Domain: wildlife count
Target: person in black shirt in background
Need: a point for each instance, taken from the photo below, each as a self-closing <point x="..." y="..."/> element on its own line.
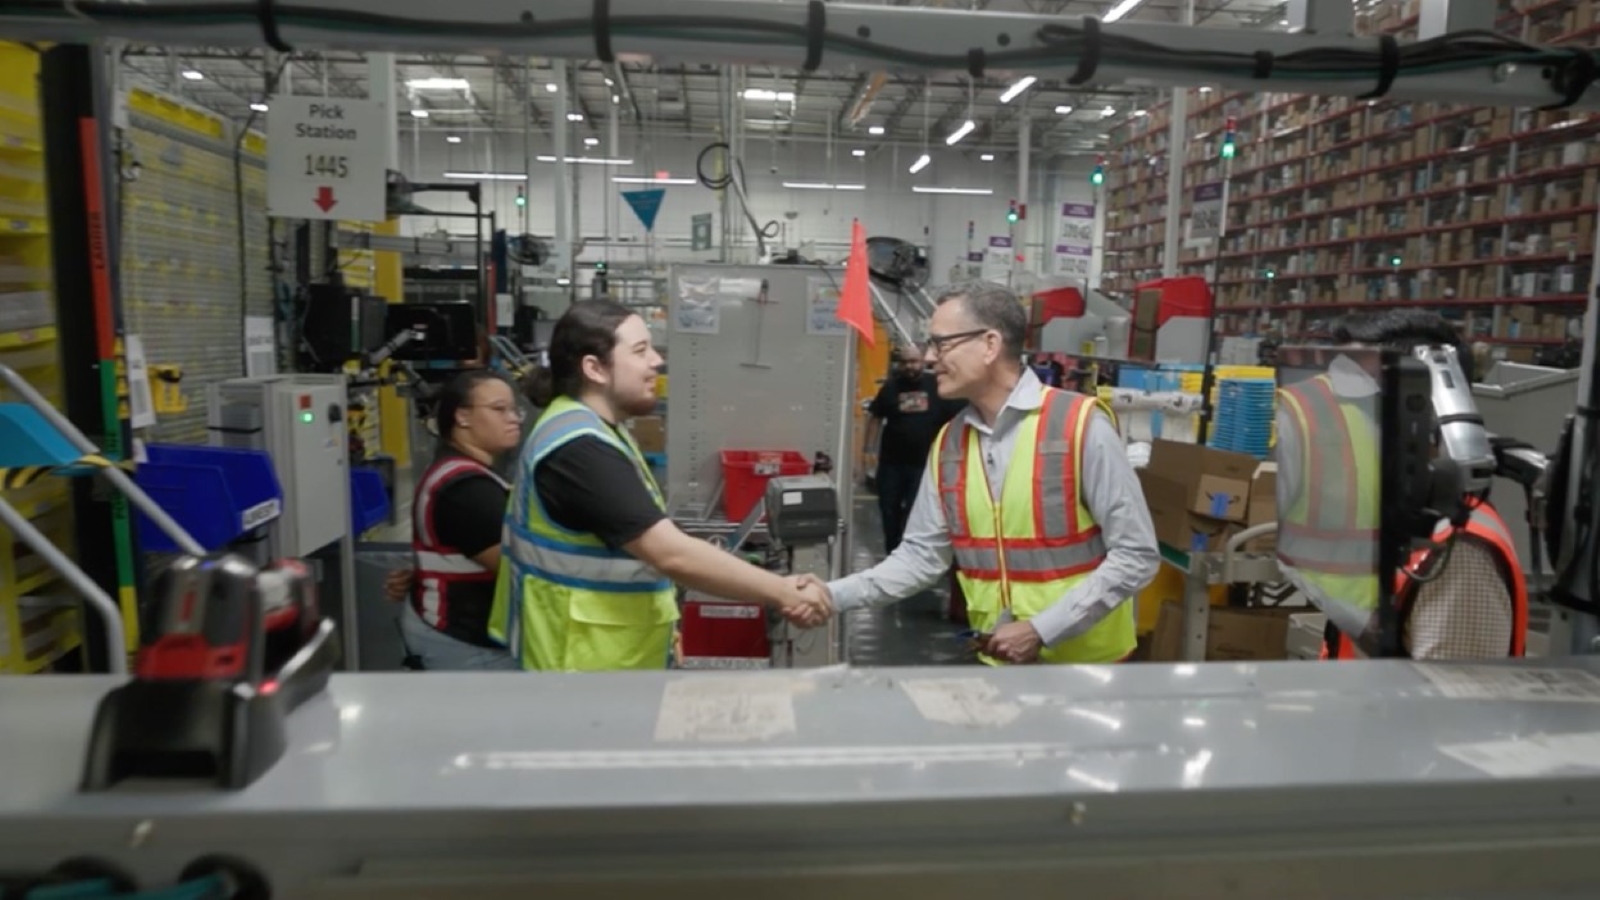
<point x="906" y="417"/>
<point x="457" y="516"/>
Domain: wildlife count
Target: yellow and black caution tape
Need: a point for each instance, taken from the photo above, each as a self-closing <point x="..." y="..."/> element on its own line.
<point x="22" y="476"/>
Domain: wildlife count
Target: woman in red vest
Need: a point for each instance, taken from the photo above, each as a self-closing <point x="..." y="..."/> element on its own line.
<point x="456" y="518"/>
<point x="1466" y="597"/>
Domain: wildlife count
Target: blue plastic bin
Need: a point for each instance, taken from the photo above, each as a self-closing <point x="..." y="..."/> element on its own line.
<point x="369" y="499"/>
<point x="215" y="493"/>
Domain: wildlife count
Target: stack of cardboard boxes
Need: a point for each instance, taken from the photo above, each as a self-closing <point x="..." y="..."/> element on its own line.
<point x="1199" y="498"/>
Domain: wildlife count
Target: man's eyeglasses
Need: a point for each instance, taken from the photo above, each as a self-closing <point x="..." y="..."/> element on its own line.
<point x="940" y="344"/>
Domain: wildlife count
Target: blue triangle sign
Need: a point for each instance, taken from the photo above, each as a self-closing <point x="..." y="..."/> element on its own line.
<point x="646" y="204"/>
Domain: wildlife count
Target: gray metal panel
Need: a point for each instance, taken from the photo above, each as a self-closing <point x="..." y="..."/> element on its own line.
<point x="1176" y="781"/>
<point x="792" y="400"/>
<point x="181" y="265"/>
<point x="1530" y="403"/>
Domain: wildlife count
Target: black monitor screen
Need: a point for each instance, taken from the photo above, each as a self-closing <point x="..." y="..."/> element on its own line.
<point x="1330" y="482"/>
<point x="449" y="330"/>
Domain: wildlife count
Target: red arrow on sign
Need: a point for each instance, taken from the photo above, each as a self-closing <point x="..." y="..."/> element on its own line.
<point x="325" y="199"/>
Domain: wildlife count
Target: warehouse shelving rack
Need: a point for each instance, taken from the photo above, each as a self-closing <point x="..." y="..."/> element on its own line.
<point x="34" y="630"/>
<point x="1339" y="204"/>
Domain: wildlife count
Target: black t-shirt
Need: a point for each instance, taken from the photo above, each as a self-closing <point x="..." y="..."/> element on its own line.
<point x="468" y="514"/>
<point x="912" y="414"/>
<point x="590" y="486"/>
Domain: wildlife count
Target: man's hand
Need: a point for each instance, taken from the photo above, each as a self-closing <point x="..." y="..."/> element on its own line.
<point x="397" y="586"/>
<point x="810" y="604"/>
<point x="1015" y="642"/>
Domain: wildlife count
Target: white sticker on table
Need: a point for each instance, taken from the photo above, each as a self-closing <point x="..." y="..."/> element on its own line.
<point x="1530" y="756"/>
<point x="969" y="702"/>
<point x="1523" y="685"/>
<point x="726" y="710"/>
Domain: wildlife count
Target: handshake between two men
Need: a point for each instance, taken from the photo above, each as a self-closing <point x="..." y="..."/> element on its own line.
<point x="809" y="604"/>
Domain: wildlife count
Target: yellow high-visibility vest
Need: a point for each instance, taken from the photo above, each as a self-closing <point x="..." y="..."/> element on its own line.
<point x="1328" y="535"/>
<point x="564" y="601"/>
<point x="1025" y="552"/>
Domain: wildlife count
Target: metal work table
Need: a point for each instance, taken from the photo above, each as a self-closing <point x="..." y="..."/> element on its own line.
<point x="1238" y="780"/>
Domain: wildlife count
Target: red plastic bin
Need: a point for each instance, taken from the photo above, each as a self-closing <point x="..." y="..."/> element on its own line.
<point x="724" y="631"/>
<point x="745" y="474"/>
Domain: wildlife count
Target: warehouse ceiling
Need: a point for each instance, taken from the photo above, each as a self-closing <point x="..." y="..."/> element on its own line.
<point x="511" y="94"/>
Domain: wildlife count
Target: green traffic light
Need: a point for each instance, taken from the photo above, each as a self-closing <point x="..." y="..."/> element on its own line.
<point x="1011" y="217"/>
<point x="1227" y="150"/>
<point x="1098" y="178"/>
<point x="307" y="417"/>
<point x="1395" y="261"/>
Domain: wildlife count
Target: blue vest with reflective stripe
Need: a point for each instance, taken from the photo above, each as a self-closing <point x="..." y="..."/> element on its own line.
<point x="564" y="601"/>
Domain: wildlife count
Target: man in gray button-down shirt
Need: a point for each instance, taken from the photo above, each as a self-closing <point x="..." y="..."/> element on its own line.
<point x="974" y="349"/>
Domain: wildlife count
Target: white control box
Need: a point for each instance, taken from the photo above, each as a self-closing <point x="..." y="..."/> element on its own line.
<point x="299" y="420"/>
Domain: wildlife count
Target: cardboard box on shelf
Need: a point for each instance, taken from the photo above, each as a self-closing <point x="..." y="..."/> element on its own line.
<point x="650" y="433"/>
<point x="1198" y="496"/>
<point x="1231" y="633"/>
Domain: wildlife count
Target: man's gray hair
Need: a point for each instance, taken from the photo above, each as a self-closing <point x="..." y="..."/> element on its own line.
<point x="991" y="306"/>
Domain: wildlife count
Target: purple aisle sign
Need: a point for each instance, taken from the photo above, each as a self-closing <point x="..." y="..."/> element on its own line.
<point x="1205" y="212"/>
<point x="1075" y="244"/>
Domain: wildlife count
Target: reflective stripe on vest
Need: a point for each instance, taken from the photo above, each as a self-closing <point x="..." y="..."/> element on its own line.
<point x="565" y="600"/>
<point x="1065" y="540"/>
<point x="1332" y="528"/>
<point x="1021" y="548"/>
<point x="438" y="567"/>
<point x="1485" y="524"/>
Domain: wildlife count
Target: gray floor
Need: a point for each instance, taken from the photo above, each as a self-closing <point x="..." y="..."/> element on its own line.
<point x="913" y="632"/>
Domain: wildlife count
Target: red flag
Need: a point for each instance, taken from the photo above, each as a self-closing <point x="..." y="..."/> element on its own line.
<point x="855" y="300"/>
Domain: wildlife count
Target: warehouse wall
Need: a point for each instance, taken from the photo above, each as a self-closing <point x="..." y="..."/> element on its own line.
<point x="888" y="206"/>
<point x="181" y="264"/>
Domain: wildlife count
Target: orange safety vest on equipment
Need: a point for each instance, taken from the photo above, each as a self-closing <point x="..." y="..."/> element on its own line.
<point x="1484" y="524"/>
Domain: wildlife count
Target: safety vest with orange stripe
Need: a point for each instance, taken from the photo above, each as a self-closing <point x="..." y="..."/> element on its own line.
<point x="1484" y="524"/>
<point x="1022" y="549"/>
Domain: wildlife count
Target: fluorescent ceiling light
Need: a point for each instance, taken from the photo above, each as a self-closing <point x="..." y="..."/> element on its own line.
<point x="1012" y="92"/>
<point x="1205" y="90"/>
<point x="817" y="186"/>
<point x="258" y="107"/>
<point x="764" y="94"/>
<point x="486" y="176"/>
<point x="563" y="282"/>
<point x="1121" y="9"/>
<point x="956" y="136"/>
<point x="192" y="75"/>
<point x="876" y="129"/>
<point x="1063" y="110"/>
<point x="976" y="192"/>
<point x="609" y="82"/>
<point x="591" y="141"/>
<point x="1283" y="22"/>
<point x="588" y="160"/>
<point x="574" y="117"/>
<point x="1108" y="112"/>
<point x="638" y="179"/>
<point x="452" y="139"/>
<point x="921" y="163"/>
<point x="615" y="99"/>
<point x="1138" y="113"/>
<point x="987" y="157"/>
<point x="858" y="152"/>
<point x="552" y="87"/>
<point x="419" y="114"/>
<point x="439" y="84"/>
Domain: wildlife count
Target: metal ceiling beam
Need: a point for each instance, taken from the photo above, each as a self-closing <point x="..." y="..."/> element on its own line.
<point x="903" y="105"/>
<point x="517" y="83"/>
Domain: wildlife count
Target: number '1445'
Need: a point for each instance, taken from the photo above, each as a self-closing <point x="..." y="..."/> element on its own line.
<point x="327" y="166"/>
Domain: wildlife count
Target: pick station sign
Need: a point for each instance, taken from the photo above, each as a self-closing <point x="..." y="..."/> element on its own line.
<point x="325" y="159"/>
